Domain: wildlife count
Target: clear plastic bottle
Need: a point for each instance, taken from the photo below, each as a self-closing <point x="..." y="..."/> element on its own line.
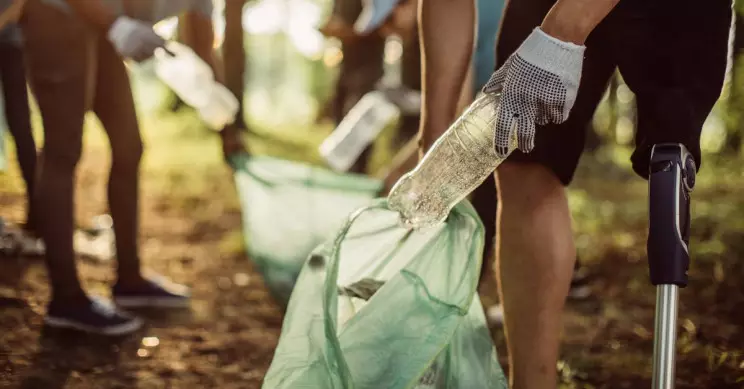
<point x="357" y="130"/>
<point x="182" y="70"/>
<point x="459" y="161"/>
<point x="193" y="81"/>
<point x="220" y="108"/>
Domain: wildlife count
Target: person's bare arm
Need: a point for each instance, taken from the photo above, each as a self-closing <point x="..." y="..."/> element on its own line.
<point x="196" y="31"/>
<point x="95" y="12"/>
<point x="447" y="33"/>
<point x="12" y="13"/>
<point x="573" y="20"/>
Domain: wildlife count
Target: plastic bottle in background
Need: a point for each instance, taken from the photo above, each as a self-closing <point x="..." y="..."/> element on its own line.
<point x="406" y="99"/>
<point x="193" y="81"/>
<point x="98" y="242"/>
<point x="221" y="107"/>
<point x="459" y="161"/>
<point x="183" y="71"/>
<point x="357" y="130"/>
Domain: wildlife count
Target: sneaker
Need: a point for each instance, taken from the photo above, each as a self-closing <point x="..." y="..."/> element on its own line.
<point x="97" y="317"/>
<point x="158" y="293"/>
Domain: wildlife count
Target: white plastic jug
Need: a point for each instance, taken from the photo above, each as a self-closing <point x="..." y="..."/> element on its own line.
<point x="193" y="81"/>
<point x="357" y="130"/>
<point x="184" y="72"/>
<point x="220" y="108"/>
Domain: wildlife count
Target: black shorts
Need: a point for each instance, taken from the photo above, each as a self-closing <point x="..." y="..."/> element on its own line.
<point x="671" y="53"/>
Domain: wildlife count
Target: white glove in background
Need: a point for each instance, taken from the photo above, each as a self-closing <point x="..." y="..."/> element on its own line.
<point x="134" y="39"/>
<point x="538" y="85"/>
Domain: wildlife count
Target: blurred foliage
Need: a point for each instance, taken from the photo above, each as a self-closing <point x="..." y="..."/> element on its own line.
<point x="609" y="203"/>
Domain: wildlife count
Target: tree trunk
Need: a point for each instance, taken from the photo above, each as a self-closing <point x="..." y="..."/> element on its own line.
<point x="234" y="55"/>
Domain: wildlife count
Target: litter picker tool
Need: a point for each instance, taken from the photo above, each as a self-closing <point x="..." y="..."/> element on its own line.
<point x="672" y="177"/>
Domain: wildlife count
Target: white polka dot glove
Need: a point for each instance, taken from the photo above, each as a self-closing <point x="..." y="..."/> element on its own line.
<point x="134" y="39"/>
<point x="538" y="85"/>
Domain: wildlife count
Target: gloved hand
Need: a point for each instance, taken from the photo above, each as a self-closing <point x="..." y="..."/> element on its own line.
<point x="134" y="39"/>
<point x="538" y="85"/>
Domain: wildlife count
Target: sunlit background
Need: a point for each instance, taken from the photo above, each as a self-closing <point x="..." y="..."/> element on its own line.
<point x="192" y="218"/>
<point x="292" y="67"/>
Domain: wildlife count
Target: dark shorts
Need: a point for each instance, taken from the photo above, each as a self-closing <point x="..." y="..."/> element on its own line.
<point x="671" y="54"/>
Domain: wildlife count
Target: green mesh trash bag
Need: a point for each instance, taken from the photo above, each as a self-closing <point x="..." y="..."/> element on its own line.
<point x="289" y="208"/>
<point x="384" y="307"/>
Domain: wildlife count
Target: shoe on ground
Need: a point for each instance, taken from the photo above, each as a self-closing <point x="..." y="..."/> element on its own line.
<point x="99" y="316"/>
<point x="157" y="292"/>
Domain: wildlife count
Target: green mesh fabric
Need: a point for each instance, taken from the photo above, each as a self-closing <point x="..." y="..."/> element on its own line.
<point x="424" y="328"/>
<point x="289" y="208"/>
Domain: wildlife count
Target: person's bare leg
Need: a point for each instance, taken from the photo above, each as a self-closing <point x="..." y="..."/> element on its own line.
<point x="535" y="258"/>
<point x="59" y="52"/>
<point x="18" y="116"/>
<point x="114" y="106"/>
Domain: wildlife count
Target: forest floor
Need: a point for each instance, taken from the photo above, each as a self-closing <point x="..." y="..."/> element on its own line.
<point x="191" y="231"/>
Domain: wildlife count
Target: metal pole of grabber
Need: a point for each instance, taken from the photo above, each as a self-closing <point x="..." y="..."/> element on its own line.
<point x="671" y="179"/>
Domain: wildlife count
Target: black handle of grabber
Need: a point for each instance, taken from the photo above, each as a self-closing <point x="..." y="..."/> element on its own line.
<point x="671" y="179"/>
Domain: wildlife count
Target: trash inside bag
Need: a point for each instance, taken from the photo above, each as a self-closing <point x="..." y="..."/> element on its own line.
<point x="289" y="208"/>
<point x="383" y="306"/>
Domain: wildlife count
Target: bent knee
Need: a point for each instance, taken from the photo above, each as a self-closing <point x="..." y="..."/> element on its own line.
<point x="61" y="156"/>
<point x="530" y="184"/>
<point x="127" y="156"/>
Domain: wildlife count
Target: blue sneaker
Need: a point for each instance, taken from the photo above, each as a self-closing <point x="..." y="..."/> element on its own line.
<point x="97" y="317"/>
<point x="158" y="292"/>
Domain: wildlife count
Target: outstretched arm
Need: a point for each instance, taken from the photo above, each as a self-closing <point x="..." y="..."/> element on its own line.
<point x="197" y="31"/>
<point x="447" y="34"/>
<point x="94" y="12"/>
<point x="11" y="13"/>
<point x="573" y="20"/>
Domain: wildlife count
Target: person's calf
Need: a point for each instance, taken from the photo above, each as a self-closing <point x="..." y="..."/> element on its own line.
<point x="535" y="261"/>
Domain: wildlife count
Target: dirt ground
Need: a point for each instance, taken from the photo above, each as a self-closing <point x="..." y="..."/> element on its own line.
<point x="192" y="233"/>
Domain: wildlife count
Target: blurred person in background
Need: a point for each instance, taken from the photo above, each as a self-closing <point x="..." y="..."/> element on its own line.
<point x="18" y="117"/>
<point x="555" y="59"/>
<point x="363" y="39"/>
<point x="75" y="56"/>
